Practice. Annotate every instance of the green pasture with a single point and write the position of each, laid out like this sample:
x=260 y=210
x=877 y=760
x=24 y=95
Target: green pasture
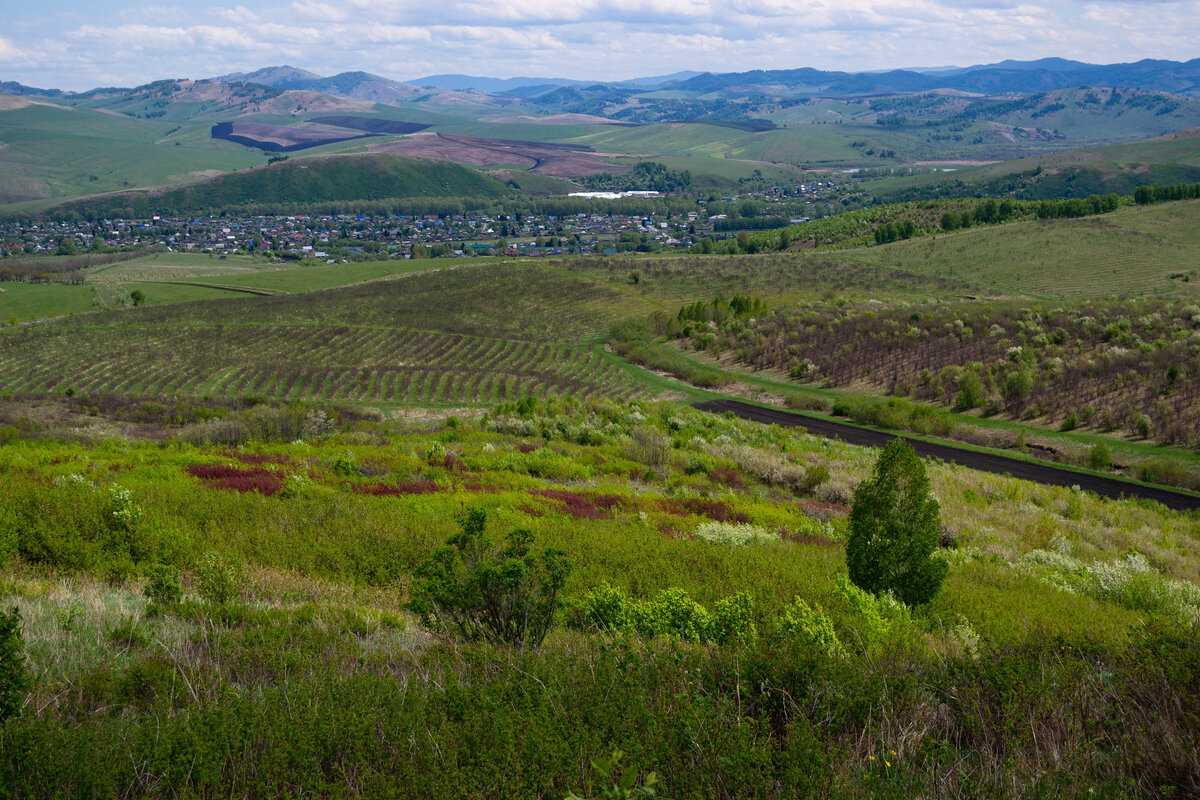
x=29 y=301
x=1130 y=252
x=54 y=153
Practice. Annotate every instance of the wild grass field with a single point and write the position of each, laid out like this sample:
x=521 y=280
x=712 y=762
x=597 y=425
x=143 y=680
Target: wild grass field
x=1132 y=252
x=291 y=661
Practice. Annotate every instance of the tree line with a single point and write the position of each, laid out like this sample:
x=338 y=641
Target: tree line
x=1148 y=195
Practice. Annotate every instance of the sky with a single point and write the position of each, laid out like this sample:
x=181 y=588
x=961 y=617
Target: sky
x=81 y=44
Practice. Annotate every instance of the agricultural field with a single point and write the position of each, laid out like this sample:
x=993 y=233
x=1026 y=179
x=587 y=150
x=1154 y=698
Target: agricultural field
x=233 y=610
x=249 y=272
x=466 y=336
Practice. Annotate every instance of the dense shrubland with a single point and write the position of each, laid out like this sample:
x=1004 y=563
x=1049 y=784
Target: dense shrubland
x=208 y=619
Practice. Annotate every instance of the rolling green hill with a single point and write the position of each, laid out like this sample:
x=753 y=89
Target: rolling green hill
x=310 y=180
x=1131 y=251
x=51 y=153
x=1174 y=158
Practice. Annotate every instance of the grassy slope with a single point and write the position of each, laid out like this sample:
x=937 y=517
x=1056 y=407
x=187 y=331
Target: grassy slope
x=317 y=670
x=312 y=180
x=51 y=153
x=1119 y=168
x=1132 y=251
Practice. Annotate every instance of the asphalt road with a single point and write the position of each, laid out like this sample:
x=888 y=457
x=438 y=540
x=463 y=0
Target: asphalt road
x=986 y=462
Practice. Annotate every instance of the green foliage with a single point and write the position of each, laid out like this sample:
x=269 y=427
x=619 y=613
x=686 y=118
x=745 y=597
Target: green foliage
x=219 y=579
x=14 y=677
x=617 y=784
x=811 y=627
x=897 y=413
x=507 y=596
x=344 y=463
x=876 y=617
x=672 y=612
x=645 y=175
x=608 y=608
x=894 y=527
x=1099 y=457
x=1148 y=195
x=970 y=391
x=164 y=586
x=732 y=620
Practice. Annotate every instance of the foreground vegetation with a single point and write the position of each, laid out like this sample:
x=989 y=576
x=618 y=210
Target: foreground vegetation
x=291 y=661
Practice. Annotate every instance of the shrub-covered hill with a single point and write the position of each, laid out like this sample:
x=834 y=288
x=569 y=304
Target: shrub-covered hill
x=293 y=182
x=708 y=630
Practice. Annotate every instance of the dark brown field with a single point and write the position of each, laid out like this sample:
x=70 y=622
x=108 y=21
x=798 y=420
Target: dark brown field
x=553 y=160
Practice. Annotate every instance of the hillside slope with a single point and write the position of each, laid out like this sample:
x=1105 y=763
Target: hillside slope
x=312 y=180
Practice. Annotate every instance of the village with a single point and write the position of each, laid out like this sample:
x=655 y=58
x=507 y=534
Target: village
x=334 y=238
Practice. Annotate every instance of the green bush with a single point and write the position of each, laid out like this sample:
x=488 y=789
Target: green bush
x=13 y=676
x=163 y=587
x=811 y=628
x=894 y=527
x=733 y=620
x=607 y=607
x=506 y=597
x=218 y=579
x=673 y=612
x=1099 y=457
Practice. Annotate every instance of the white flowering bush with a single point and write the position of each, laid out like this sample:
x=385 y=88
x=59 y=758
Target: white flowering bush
x=73 y=480
x=1130 y=582
x=122 y=513
x=295 y=486
x=966 y=638
x=733 y=534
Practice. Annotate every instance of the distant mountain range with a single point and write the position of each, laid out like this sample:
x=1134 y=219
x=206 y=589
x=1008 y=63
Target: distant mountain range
x=1003 y=78
x=504 y=85
x=1007 y=77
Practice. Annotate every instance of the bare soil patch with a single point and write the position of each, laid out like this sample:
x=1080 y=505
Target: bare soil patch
x=544 y=158
x=277 y=138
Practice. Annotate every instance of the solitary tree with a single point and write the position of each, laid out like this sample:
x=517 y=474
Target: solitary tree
x=894 y=529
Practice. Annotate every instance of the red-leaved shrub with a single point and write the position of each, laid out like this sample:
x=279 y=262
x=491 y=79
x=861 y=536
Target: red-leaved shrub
x=397 y=489
x=223 y=476
x=716 y=510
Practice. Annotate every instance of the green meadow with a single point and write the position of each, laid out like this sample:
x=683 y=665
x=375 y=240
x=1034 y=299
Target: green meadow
x=291 y=662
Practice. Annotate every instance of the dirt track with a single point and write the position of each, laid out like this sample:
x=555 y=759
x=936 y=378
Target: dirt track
x=986 y=462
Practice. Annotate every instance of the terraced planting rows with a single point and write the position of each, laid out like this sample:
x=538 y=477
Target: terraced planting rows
x=356 y=365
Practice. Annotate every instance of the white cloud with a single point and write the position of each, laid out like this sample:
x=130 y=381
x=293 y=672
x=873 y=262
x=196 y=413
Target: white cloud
x=600 y=39
x=9 y=51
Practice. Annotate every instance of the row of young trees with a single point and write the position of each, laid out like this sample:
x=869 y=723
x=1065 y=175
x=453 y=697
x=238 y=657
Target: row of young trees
x=1110 y=365
x=1147 y=195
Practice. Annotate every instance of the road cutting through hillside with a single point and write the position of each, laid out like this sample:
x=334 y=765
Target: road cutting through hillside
x=986 y=462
